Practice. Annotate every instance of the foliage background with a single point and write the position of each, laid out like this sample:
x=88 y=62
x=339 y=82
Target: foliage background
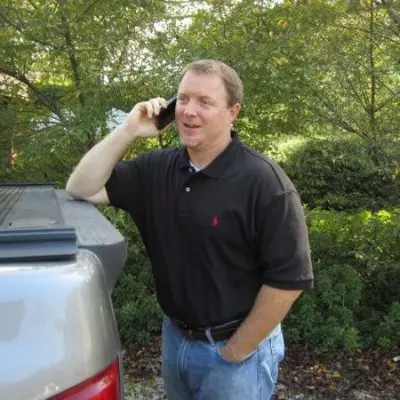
x=322 y=98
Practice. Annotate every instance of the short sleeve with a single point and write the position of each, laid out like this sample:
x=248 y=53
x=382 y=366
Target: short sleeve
x=125 y=187
x=283 y=243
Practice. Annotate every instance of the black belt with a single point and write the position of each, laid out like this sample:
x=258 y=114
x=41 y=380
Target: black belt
x=219 y=332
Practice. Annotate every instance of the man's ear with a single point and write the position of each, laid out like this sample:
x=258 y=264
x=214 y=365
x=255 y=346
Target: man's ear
x=234 y=111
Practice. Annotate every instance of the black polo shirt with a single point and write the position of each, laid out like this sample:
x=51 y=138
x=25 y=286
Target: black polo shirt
x=215 y=236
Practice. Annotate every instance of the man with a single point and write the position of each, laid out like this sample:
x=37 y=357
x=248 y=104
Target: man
x=225 y=232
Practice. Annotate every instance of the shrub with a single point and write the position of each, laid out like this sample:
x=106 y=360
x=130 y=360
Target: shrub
x=389 y=328
x=136 y=307
x=356 y=260
x=336 y=173
x=355 y=303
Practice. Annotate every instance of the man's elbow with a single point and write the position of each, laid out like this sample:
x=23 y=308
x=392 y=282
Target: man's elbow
x=71 y=190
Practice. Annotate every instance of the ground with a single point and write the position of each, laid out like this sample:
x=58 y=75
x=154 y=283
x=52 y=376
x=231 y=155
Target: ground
x=304 y=375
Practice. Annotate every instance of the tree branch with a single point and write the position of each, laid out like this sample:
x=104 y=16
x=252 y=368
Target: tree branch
x=32 y=4
x=335 y=119
x=387 y=101
x=358 y=29
x=387 y=5
x=71 y=50
x=19 y=76
x=372 y=105
x=353 y=90
x=22 y=31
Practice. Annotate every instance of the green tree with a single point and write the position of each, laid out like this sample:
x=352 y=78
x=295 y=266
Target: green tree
x=355 y=82
x=66 y=61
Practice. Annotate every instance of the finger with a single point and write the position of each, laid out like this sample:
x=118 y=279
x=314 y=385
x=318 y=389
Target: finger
x=141 y=107
x=149 y=109
x=163 y=102
x=156 y=104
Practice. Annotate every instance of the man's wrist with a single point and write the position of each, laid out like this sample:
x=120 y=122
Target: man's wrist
x=126 y=132
x=233 y=353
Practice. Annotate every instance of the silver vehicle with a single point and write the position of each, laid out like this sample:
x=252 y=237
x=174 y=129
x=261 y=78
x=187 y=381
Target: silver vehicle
x=59 y=261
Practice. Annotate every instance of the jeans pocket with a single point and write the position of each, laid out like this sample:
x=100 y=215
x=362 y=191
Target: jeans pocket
x=164 y=323
x=277 y=346
x=218 y=347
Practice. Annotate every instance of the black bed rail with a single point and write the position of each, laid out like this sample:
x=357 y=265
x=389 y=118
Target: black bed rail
x=32 y=226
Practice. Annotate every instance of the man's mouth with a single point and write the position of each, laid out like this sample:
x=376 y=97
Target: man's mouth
x=191 y=126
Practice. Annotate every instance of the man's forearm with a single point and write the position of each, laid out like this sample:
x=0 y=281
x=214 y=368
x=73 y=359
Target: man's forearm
x=270 y=308
x=97 y=164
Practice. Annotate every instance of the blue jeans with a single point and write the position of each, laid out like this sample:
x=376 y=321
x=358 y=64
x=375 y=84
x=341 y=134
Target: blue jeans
x=196 y=370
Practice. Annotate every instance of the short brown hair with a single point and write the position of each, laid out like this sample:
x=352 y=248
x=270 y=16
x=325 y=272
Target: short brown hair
x=232 y=83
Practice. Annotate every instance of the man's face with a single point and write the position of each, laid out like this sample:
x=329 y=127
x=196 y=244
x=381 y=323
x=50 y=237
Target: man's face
x=202 y=113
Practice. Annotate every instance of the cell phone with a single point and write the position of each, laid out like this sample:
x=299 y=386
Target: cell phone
x=167 y=115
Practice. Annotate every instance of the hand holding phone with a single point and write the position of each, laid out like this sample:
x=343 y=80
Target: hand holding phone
x=166 y=115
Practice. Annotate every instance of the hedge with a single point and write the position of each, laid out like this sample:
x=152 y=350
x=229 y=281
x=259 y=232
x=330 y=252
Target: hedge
x=355 y=302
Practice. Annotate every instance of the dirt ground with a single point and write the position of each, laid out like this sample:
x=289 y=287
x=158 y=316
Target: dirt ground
x=304 y=375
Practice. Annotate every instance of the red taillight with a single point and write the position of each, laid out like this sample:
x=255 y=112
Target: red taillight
x=104 y=386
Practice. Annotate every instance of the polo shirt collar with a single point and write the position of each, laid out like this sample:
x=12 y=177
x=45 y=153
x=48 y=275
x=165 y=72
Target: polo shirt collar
x=219 y=164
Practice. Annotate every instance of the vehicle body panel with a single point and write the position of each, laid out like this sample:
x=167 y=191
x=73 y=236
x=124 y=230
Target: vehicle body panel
x=57 y=324
x=57 y=327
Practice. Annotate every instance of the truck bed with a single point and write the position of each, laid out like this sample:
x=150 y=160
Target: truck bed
x=39 y=222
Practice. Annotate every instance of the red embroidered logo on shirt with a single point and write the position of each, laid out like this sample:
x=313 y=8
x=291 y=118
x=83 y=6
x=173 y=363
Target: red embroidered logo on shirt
x=215 y=222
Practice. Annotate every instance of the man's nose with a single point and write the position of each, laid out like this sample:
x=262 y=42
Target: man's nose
x=190 y=107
